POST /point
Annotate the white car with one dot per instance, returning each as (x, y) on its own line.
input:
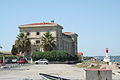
(41, 61)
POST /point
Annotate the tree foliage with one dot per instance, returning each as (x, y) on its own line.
(14, 50)
(48, 42)
(22, 44)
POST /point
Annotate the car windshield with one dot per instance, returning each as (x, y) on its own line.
(23, 59)
(43, 59)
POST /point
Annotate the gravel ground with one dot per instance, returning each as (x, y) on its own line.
(31, 72)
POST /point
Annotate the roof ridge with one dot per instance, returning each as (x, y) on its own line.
(39, 23)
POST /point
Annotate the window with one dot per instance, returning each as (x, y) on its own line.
(37, 33)
(28, 33)
(37, 49)
(37, 41)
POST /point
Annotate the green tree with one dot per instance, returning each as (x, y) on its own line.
(22, 44)
(14, 50)
(48, 42)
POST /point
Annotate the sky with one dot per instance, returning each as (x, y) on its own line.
(97, 22)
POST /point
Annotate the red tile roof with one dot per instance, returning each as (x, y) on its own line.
(79, 53)
(39, 23)
(70, 33)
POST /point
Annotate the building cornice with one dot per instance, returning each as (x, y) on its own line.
(40, 25)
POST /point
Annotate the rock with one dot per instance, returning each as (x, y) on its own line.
(92, 65)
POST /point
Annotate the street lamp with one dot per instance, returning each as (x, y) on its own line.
(3, 56)
(1, 47)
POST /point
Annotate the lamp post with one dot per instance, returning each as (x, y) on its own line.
(3, 56)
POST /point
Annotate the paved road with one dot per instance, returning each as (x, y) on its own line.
(31, 72)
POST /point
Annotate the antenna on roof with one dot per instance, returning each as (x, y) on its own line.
(52, 21)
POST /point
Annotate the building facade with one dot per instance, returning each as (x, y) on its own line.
(66, 41)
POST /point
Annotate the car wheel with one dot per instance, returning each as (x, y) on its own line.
(45, 63)
(36, 63)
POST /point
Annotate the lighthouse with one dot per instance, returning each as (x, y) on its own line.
(106, 52)
(107, 58)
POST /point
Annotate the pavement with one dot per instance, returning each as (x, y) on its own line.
(31, 72)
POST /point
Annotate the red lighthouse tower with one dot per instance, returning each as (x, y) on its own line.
(106, 52)
(106, 58)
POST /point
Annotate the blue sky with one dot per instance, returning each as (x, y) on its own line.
(97, 22)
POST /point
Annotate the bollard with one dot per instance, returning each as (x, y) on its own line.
(98, 74)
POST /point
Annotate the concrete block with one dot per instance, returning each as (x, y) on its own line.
(98, 74)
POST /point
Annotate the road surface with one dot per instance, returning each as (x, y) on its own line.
(31, 72)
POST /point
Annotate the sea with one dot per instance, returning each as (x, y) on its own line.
(112, 58)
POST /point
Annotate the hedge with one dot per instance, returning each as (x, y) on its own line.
(54, 56)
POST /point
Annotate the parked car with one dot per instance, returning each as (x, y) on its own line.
(1, 61)
(14, 61)
(22, 61)
(8, 61)
(41, 61)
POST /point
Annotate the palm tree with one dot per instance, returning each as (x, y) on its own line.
(14, 50)
(48, 42)
(23, 44)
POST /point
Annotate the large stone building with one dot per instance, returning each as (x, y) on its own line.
(66, 41)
